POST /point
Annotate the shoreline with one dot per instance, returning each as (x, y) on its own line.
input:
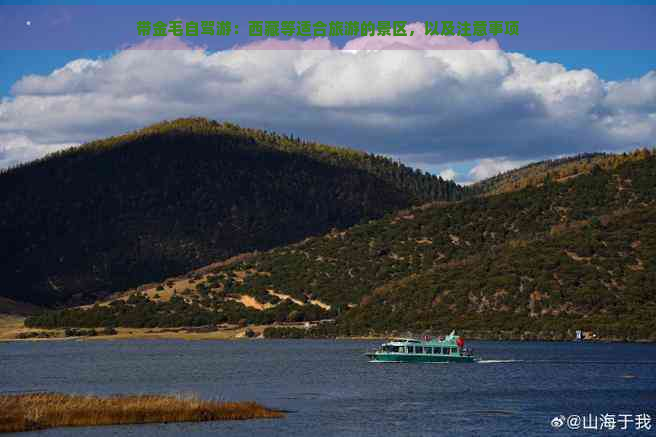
(238, 335)
(228, 337)
(11, 327)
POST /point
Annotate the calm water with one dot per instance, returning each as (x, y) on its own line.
(331, 389)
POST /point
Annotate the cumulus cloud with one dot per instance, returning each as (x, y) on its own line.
(448, 174)
(15, 148)
(443, 99)
(489, 167)
(637, 94)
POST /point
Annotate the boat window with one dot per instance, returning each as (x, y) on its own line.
(411, 349)
(445, 350)
(429, 350)
(402, 349)
(419, 349)
(453, 350)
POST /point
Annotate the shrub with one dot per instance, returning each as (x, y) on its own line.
(109, 331)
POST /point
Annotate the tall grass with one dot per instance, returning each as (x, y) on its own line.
(25, 412)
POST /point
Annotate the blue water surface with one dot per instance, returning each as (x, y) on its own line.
(329, 388)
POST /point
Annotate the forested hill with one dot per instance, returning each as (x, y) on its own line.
(575, 254)
(177, 195)
(557, 170)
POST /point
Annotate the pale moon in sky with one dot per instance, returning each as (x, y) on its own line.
(29, 23)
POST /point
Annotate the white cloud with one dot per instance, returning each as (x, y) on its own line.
(491, 167)
(15, 148)
(633, 94)
(448, 174)
(447, 100)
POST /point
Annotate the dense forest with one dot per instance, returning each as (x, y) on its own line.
(560, 169)
(136, 208)
(577, 252)
(598, 277)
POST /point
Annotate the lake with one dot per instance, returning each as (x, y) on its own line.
(330, 389)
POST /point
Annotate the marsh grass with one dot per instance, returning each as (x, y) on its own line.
(26, 412)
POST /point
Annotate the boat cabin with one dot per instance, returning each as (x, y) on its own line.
(450, 348)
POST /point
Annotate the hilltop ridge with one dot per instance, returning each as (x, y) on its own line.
(82, 223)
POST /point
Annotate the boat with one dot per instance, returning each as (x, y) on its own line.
(426, 350)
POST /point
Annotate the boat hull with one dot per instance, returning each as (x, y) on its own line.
(416, 358)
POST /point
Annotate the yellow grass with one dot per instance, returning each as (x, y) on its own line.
(11, 333)
(283, 296)
(251, 302)
(25, 412)
(10, 321)
(10, 326)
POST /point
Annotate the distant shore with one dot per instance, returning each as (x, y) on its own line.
(29, 412)
(12, 329)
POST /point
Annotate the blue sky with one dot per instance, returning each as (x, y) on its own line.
(612, 46)
(540, 105)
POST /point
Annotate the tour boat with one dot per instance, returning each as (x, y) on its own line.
(426, 350)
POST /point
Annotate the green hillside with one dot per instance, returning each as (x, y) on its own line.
(599, 278)
(344, 266)
(178, 195)
(552, 257)
(558, 170)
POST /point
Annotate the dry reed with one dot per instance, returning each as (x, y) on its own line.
(26, 412)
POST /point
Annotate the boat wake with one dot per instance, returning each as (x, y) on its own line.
(405, 362)
(612, 363)
(569, 362)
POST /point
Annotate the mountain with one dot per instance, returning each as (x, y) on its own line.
(564, 254)
(558, 170)
(598, 277)
(114, 213)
